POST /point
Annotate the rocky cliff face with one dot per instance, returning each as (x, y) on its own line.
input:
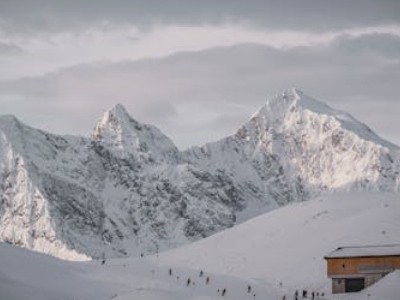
(128, 190)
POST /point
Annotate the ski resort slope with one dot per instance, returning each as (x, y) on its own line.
(288, 245)
(26, 275)
(276, 253)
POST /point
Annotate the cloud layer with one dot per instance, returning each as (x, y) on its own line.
(197, 69)
(49, 15)
(200, 96)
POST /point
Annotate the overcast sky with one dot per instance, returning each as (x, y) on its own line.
(196, 69)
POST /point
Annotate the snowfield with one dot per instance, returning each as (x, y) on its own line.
(276, 253)
(288, 245)
(33, 276)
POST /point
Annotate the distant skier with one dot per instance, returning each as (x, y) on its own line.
(223, 292)
(188, 281)
(304, 294)
(296, 295)
(170, 272)
(249, 288)
(201, 273)
(103, 261)
(207, 280)
(312, 295)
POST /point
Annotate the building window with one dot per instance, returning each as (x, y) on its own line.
(354, 284)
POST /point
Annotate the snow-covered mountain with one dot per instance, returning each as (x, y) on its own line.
(128, 190)
(296, 146)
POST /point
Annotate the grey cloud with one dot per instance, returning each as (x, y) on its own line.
(10, 49)
(201, 96)
(288, 14)
(163, 112)
(386, 45)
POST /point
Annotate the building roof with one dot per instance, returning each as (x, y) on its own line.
(365, 251)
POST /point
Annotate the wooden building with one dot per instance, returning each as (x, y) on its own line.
(355, 268)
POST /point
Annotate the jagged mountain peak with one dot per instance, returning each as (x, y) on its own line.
(293, 108)
(120, 113)
(291, 100)
(125, 136)
(296, 97)
(119, 108)
(116, 118)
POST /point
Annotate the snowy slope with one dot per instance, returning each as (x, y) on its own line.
(119, 279)
(288, 245)
(128, 190)
(386, 289)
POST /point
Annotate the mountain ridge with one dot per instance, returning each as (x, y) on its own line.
(127, 189)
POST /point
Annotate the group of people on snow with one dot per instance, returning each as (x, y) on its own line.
(314, 295)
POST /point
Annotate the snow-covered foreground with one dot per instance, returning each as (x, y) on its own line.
(284, 246)
(386, 289)
(288, 245)
(28, 275)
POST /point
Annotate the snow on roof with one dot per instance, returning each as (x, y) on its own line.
(365, 251)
